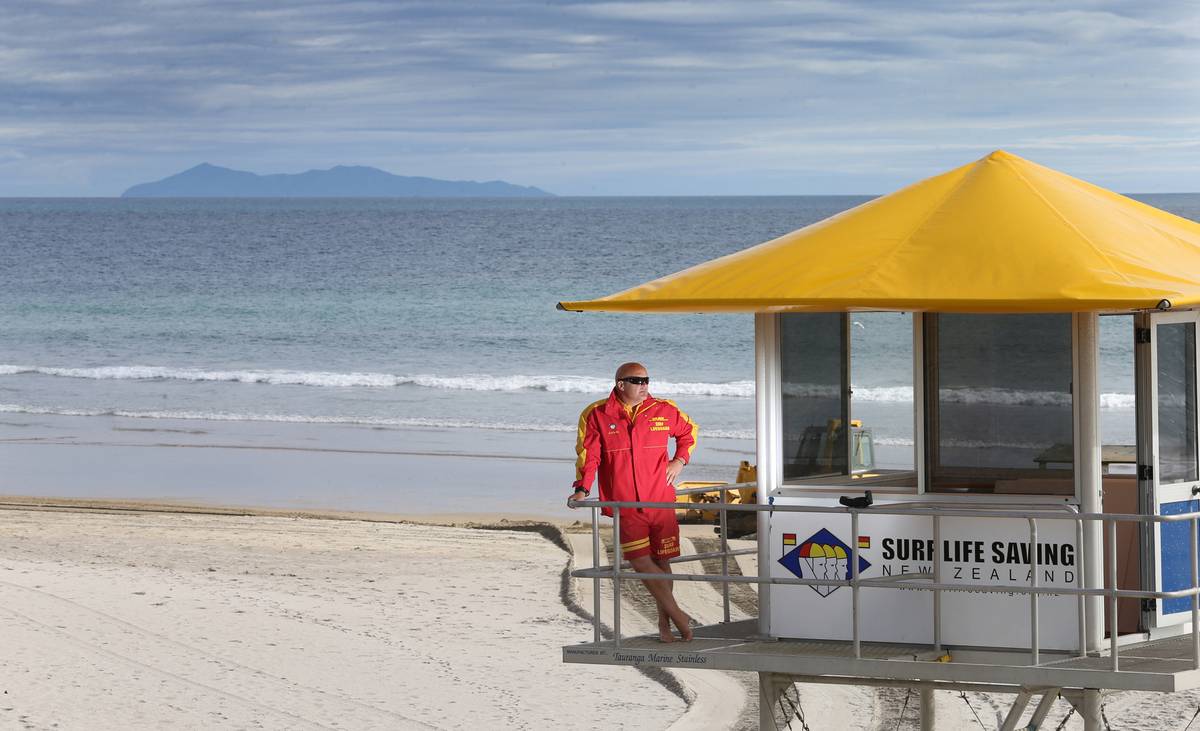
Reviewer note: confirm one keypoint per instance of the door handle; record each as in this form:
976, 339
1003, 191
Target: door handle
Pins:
1196, 490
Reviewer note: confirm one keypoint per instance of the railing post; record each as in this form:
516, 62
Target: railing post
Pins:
725, 551
937, 579
854, 581
1082, 604
596, 579
1195, 603
616, 577
1111, 525
1033, 597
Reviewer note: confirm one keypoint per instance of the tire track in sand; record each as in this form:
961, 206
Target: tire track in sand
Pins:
192, 662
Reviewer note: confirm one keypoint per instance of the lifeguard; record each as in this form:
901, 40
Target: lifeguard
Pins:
624, 440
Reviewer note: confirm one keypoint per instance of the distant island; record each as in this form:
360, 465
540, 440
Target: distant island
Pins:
211, 181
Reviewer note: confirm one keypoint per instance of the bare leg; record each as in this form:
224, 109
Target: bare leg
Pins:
661, 591
664, 622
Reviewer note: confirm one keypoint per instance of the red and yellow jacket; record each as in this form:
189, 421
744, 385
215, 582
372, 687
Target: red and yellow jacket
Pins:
629, 454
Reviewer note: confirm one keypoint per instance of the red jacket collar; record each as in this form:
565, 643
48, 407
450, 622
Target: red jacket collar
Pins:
615, 407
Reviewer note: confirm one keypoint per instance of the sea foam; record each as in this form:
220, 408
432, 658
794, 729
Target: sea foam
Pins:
398, 422
549, 384
329, 379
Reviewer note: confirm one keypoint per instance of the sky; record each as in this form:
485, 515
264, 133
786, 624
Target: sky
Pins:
729, 97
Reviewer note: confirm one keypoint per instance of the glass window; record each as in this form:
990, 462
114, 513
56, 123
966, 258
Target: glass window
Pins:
881, 397
1118, 416
998, 403
1177, 402
815, 401
821, 355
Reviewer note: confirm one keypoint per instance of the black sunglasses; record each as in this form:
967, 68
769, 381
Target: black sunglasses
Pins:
636, 380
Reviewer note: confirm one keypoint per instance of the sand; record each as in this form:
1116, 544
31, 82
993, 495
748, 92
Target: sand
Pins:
133, 619
150, 620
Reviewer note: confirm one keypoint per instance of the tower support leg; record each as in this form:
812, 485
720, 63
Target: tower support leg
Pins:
928, 715
1043, 709
1090, 710
768, 696
1014, 713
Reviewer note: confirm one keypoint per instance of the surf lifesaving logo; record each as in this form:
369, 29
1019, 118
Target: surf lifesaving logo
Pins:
822, 556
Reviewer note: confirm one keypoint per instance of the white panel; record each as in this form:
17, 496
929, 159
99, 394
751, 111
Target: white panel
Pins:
976, 551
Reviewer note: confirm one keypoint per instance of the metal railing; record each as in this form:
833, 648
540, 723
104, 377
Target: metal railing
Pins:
922, 582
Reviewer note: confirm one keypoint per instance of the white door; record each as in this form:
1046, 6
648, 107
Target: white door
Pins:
1169, 454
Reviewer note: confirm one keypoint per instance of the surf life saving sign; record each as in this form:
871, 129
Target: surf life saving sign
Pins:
974, 552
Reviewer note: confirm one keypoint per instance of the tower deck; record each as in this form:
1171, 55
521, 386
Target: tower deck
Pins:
1164, 665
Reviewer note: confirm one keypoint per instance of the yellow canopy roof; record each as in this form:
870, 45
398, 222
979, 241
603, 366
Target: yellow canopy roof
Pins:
1001, 234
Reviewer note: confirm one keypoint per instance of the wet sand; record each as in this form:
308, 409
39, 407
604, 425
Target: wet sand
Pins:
304, 466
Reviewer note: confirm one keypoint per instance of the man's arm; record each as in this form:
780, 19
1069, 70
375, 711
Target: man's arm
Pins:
685, 432
587, 451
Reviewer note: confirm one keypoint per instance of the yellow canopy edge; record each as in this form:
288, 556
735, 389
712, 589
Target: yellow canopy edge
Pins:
1001, 234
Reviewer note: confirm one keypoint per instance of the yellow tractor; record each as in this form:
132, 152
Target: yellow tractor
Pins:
690, 506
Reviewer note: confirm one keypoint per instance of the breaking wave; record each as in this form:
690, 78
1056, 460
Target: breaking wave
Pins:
290, 418
328, 379
549, 384
414, 422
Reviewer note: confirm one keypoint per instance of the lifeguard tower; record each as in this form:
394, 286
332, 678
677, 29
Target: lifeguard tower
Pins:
1018, 553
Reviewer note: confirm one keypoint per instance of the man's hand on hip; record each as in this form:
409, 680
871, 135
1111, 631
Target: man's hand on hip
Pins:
674, 467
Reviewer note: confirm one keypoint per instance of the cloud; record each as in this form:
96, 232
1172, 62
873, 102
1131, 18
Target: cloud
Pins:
609, 97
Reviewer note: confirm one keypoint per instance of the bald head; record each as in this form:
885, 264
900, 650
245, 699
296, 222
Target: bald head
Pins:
630, 369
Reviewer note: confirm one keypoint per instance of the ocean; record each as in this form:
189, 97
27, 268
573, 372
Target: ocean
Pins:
418, 328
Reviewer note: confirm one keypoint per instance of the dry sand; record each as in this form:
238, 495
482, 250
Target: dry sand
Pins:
204, 621
137, 619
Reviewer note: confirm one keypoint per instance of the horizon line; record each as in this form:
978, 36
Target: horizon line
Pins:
498, 197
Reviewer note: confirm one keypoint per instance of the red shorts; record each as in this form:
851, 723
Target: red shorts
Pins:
653, 532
